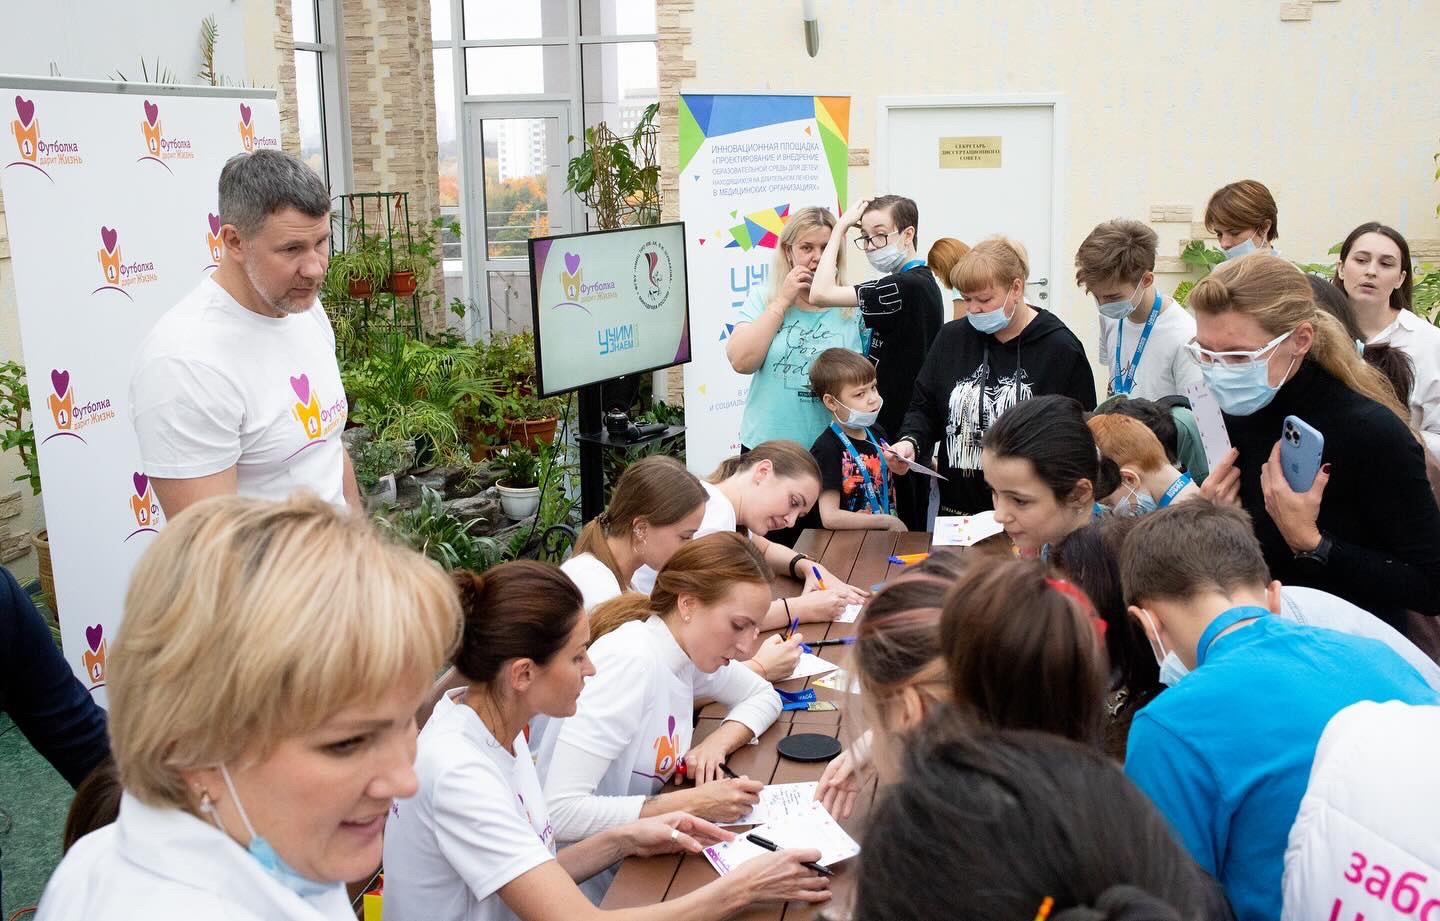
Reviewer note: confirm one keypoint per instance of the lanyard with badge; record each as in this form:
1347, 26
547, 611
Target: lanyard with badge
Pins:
1124, 382
1174, 490
1222, 623
880, 505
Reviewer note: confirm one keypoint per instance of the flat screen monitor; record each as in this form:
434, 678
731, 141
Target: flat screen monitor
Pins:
607, 304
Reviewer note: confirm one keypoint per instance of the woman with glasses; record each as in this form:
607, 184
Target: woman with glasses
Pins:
1368, 528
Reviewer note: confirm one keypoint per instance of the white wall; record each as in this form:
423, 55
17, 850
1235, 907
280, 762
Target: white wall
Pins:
1339, 114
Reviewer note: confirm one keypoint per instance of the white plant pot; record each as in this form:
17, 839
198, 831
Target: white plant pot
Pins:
518, 503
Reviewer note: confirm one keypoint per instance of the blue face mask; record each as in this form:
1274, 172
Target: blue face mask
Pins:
1172, 670
1119, 310
263, 853
1244, 248
1242, 389
1143, 504
991, 321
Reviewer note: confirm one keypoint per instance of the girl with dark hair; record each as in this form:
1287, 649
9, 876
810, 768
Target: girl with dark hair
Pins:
1019, 825
1045, 472
1374, 272
1397, 366
476, 841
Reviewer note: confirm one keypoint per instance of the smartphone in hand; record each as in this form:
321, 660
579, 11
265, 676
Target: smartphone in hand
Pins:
1301, 447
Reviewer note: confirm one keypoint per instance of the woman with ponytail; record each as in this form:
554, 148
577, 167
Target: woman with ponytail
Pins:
1368, 528
655, 657
767, 489
476, 843
1018, 825
1045, 472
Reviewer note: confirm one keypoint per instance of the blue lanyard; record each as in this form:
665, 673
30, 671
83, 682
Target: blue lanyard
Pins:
880, 505
910, 265
1174, 490
1125, 382
1222, 623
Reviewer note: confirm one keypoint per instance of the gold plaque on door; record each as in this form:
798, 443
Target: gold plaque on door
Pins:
970, 153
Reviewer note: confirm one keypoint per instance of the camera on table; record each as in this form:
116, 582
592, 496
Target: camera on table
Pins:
618, 424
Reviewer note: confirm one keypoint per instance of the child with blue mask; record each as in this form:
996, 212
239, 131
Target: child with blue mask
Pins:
857, 479
1244, 219
1148, 481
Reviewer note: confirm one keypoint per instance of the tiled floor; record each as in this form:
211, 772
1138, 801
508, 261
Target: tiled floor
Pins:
33, 803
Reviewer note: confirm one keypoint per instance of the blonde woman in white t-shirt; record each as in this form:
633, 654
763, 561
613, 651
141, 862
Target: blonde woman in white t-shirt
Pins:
656, 508
476, 842
657, 655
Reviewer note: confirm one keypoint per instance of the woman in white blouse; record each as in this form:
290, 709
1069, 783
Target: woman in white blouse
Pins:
476, 842
1374, 273
656, 656
657, 507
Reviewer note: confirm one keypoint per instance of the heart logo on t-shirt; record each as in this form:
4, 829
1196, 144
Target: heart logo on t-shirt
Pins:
60, 380
141, 483
301, 386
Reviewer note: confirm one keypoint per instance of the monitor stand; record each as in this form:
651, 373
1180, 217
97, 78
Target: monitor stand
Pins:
594, 441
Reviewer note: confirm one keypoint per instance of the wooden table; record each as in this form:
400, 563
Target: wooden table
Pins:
861, 558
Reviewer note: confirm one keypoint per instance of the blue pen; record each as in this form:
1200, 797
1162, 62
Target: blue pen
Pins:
794, 625
819, 580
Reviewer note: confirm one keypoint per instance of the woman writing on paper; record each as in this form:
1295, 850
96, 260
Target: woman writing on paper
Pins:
476, 841
655, 656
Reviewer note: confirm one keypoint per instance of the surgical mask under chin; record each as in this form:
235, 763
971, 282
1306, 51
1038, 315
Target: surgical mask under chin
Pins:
991, 321
1243, 248
1171, 668
1143, 504
1119, 310
1243, 389
861, 420
264, 854
887, 258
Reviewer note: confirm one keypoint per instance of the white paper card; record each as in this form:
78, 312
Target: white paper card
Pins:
838, 680
917, 467
777, 801
1213, 436
850, 614
964, 530
811, 828
811, 664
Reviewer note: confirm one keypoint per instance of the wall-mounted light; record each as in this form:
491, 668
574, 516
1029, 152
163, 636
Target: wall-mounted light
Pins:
812, 26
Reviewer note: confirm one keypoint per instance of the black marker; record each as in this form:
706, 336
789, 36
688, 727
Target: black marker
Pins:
769, 845
725, 769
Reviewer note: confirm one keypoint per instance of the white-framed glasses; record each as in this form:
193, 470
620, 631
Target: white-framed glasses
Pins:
1205, 358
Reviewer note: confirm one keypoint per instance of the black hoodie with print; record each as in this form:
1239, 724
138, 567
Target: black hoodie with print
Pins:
969, 378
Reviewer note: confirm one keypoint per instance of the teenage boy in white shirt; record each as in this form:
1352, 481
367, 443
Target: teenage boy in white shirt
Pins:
1142, 331
236, 389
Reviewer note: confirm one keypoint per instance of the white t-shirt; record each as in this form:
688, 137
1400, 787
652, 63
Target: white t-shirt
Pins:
477, 822
596, 582
163, 864
217, 385
1421, 341
719, 516
1165, 368
634, 723
1322, 609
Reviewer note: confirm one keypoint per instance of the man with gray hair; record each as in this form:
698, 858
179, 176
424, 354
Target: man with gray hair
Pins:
236, 389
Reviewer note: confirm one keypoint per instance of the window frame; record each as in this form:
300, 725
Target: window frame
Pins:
334, 111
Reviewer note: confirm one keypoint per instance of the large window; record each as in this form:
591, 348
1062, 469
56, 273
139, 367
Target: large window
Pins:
502, 67
319, 91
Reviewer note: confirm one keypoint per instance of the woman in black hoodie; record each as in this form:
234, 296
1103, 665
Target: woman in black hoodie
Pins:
1002, 352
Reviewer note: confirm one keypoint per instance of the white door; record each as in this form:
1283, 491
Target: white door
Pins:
976, 168
516, 191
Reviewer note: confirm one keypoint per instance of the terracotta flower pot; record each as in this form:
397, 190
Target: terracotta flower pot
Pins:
360, 288
401, 284
532, 433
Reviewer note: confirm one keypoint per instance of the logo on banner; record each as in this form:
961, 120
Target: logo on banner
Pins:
68, 417
93, 656
318, 422
248, 138
119, 274
36, 152
144, 507
158, 147
653, 275
212, 241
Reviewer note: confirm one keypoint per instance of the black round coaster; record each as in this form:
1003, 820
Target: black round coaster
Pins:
808, 747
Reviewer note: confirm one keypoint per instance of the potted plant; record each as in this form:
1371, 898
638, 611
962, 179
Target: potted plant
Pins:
416, 262
359, 269
17, 434
435, 531
525, 417
519, 483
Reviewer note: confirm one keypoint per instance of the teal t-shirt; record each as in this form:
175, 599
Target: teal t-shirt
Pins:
781, 404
